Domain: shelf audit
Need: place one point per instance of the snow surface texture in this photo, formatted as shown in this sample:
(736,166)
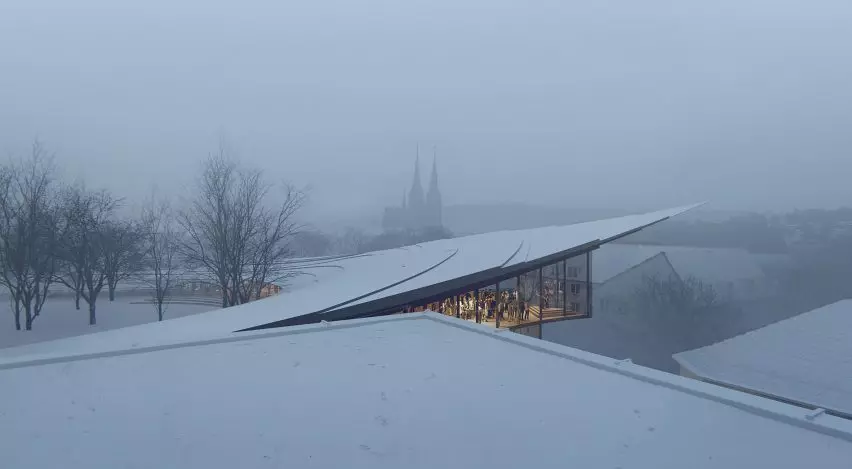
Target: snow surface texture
(807,358)
(360,278)
(403,391)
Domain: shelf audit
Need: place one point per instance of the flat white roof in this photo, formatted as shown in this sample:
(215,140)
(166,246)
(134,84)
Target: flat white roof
(338,283)
(418,390)
(806,359)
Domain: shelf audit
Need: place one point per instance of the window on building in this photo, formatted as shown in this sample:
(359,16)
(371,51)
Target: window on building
(573,271)
(575,289)
(552,291)
(574,307)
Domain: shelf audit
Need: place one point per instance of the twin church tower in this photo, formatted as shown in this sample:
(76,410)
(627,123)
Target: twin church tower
(417,212)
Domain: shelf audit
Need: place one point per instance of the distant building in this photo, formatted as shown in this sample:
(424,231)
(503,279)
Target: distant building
(417,211)
(624,326)
(734,274)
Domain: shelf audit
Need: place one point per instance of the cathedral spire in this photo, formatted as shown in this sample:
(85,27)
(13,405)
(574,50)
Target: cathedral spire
(433,180)
(415,196)
(434,204)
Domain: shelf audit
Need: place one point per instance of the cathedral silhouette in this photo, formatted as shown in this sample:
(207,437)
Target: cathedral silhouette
(417,211)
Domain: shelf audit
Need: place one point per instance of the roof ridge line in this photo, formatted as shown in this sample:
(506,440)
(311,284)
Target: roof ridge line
(636,266)
(686,385)
(34,360)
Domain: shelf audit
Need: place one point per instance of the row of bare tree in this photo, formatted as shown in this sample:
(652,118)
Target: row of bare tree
(233,233)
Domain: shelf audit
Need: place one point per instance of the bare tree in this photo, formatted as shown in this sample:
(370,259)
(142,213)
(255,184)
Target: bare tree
(311,243)
(28,233)
(69,260)
(231,232)
(87,218)
(269,245)
(352,241)
(71,279)
(161,242)
(207,221)
(122,253)
(674,297)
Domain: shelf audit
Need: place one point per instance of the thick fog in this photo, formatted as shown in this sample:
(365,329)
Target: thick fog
(635,105)
(222,166)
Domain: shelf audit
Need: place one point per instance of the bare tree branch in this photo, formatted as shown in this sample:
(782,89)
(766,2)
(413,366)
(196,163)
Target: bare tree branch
(233,234)
(161,242)
(87,218)
(122,253)
(28,232)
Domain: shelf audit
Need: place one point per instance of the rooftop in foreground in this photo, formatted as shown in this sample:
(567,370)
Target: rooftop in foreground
(417,390)
(804,359)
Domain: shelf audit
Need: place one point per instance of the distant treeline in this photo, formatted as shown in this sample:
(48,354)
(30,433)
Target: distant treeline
(755,233)
(354,241)
(758,233)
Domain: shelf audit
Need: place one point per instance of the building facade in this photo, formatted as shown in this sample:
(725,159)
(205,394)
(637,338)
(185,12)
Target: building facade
(418,210)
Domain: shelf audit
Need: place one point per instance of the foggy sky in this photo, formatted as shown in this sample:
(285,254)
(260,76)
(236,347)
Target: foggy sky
(631,104)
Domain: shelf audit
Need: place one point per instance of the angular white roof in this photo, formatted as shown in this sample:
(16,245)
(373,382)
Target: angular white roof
(418,390)
(346,282)
(805,359)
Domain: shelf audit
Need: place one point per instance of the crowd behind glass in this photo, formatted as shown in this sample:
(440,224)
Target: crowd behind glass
(556,291)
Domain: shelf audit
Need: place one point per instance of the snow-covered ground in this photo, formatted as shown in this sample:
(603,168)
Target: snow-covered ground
(59,319)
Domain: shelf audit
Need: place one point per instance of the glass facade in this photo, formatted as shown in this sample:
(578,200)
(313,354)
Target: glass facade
(553,292)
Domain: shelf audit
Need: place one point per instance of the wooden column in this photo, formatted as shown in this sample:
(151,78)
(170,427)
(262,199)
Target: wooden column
(540,294)
(518,298)
(497,305)
(565,289)
(476,306)
(458,312)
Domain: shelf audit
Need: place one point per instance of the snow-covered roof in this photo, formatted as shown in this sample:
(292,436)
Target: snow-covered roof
(418,390)
(706,264)
(355,280)
(804,359)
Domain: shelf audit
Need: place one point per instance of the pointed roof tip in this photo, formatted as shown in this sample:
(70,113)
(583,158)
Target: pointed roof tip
(433,180)
(416,185)
(417,163)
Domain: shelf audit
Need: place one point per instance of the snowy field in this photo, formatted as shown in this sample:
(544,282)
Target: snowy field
(59,319)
